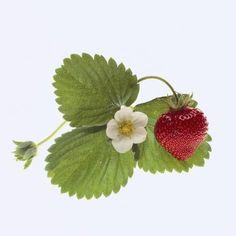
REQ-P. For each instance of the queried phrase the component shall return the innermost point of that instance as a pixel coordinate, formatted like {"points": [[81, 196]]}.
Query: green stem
{"points": [[52, 134], [163, 80]]}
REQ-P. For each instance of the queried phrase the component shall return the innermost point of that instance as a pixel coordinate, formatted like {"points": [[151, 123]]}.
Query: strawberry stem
{"points": [[163, 80], [52, 134]]}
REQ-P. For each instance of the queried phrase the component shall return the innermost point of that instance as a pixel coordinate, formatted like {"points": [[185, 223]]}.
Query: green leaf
{"points": [[152, 156], [90, 89], [83, 162]]}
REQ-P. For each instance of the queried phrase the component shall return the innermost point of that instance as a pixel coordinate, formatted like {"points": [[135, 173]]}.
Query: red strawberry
{"points": [[181, 131]]}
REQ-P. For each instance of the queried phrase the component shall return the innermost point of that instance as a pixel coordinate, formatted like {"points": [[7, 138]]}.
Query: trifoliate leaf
{"points": [[83, 162], [152, 156], [90, 89]]}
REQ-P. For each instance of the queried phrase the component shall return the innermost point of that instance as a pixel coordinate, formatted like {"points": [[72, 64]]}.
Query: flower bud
{"points": [[25, 151]]}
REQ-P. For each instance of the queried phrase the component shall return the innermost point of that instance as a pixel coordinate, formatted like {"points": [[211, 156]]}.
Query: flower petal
{"points": [[139, 119], [125, 113], [112, 129], [122, 144], [139, 135]]}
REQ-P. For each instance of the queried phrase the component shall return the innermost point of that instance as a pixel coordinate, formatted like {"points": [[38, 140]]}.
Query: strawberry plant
{"points": [[109, 136]]}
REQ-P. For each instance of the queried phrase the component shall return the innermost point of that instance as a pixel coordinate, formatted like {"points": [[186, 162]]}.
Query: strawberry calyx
{"points": [[183, 101]]}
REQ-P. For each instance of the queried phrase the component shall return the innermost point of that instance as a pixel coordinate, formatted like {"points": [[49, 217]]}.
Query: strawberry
{"points": [[181, 131]]}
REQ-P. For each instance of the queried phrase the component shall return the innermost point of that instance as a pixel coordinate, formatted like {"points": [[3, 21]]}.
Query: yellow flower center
{"points": [[126, 128]]}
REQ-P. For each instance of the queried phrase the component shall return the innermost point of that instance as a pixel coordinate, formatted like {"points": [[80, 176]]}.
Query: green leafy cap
{"points": [[184, 100]]}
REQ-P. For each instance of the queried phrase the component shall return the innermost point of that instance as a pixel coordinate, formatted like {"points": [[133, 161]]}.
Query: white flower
{"points": [[127, 128]]}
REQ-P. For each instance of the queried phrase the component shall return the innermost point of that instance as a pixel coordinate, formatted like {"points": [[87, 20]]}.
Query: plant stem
{"points": [[52, 134], [163, 80]]}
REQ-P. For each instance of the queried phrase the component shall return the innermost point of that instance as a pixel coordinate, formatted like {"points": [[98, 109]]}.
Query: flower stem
{"points": [[163, 80], [52, 134]]}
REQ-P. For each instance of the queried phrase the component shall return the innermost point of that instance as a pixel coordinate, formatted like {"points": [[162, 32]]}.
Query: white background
{"points": [[190, 43]]}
